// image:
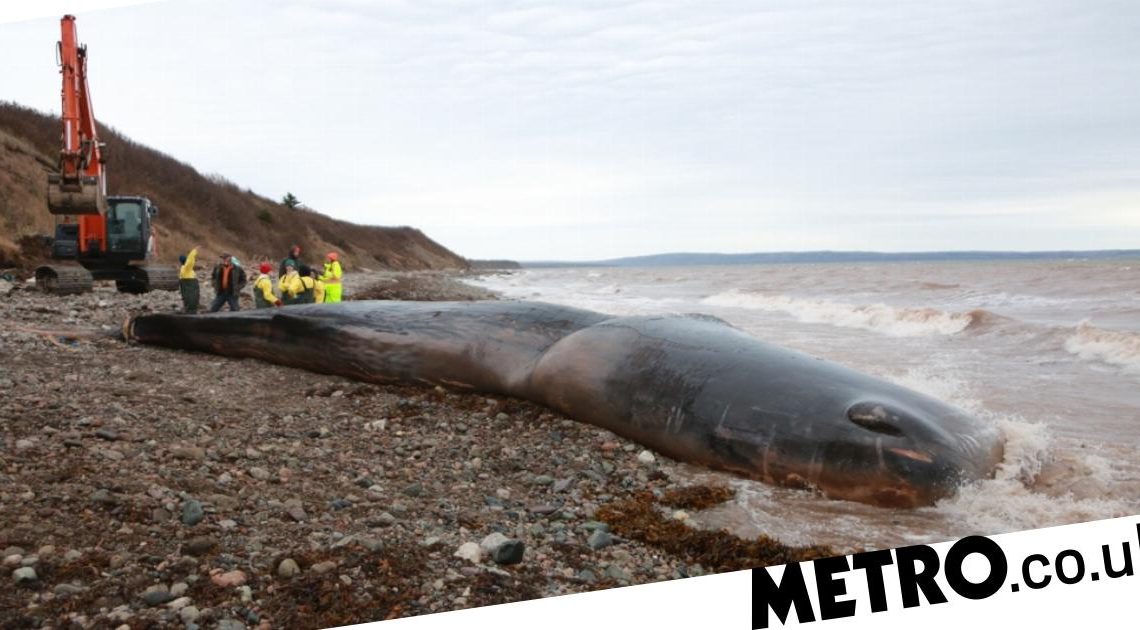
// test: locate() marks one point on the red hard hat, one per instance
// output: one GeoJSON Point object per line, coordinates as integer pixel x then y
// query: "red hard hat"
{"type": "Point", "coordinates": [332, 256]}
{"type": "Point", "coordinates": [266, 267]}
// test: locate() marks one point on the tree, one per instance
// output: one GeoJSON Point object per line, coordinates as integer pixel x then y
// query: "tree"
{"type": "Point", "coordinates": [290, 201]}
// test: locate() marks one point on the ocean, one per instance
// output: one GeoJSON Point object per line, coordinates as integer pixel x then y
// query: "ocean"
{"type": "Point", "coordinates": [1048, 351]}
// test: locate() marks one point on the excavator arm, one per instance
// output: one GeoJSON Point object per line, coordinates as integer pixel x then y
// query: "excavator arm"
{"type": "Point", "coordinates": [80, 187]}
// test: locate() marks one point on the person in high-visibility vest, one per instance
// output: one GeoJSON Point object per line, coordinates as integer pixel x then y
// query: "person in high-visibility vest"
{"type": "Point", "coordinates": [188, 282]}
{"type": "Point", "coordinates": [332, 278]}
{"type": "Point", "coordinates": [263, 288]}
{"type": "Point", "coordinates": [318, 287]}
{"type": "Point", "coordinates": [290, 284]}
{"type": "Point", "coordinates": [307, 294]}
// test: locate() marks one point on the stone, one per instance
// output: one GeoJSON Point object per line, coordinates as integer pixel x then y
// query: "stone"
{"type": "Point", "coordinates": [67, 590]}
{"type": "Point", "coordinates": [492, 542]}
{"type": "Point", "coordinates": [646, 458]}
{"type": "Point", "coordinates": [383, 519]}
{"type": "Point", "coordinates": [199, 546]}
{"type": "Point", "coordinates": [178, 604]}
{"type": "Point", "coordinates": [617, 573]}
{"type": "Point", "coordinates": [510, 552]}
{"type": "Point", "coordinates": [259, 473]}
{"type": "Point", "coordinates": [25, 575]}
{"type": "Point", "coordinates": [414, 490]}
{"type": "Point", "coordinates": [156, 597]}
{"type": "Point", "coordinates": [189, 614]}
{"type": "Point", "coordinates": [323, 567]}
{"type": "Point", "coordinates": [600, 540]}
{"type": "Point", "coordinates": [297, 513]}
{"type": "Point", "coordinates": [193, 453]}
{"type": "Point", "coordinates": [192, 512]}
{"type": "Point", "coordinates": [470, 551]}
{"type": "Point", "coordinates": [288, 568]}
{"type": "Point", "coordinates": [229, 578]}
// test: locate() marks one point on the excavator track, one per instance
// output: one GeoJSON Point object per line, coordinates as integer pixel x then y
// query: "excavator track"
{"type": "Point", "coordinates": [161, 278]}
{"type": "Point", "coordinates": [149, 278]}
{"type": "Point", "coordinates": [63, 279]}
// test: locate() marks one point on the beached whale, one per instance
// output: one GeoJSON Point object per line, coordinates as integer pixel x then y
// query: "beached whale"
{"type": "Point", "coordinates": [691, 387]}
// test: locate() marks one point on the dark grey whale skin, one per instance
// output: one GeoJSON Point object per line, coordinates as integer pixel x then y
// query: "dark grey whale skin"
{"type": "Point", "coordinates": [691, 387]}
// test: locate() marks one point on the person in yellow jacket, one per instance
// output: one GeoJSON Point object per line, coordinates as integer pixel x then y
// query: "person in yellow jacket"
{"type": "Point", "coordinates": [332, 278]}
{"type": "Point", "coordinates": [188, 282]}
{"type": "Point", "coordinates": [290, 285]}
{"type": "Point", "coordinates": [308, 292]}
{"type": "Point", "coordinates": [263, 288]}
{"type": "Point", "coordinates": [318, 287]}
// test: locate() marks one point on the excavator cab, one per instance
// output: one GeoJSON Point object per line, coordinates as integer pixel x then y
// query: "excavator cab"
{"type": "Point", "coordinates": [105, 246]}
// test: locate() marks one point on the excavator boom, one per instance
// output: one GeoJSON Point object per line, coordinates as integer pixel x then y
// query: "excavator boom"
{"type": "Point", "coordinates": [80, 187]}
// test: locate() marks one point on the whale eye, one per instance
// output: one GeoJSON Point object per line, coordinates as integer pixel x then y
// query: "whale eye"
{"type": "Point", "coordinates": [873, 417]}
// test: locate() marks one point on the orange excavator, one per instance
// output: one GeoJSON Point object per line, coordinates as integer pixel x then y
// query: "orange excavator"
{"type": "Point", "coordinates": [97, 237]}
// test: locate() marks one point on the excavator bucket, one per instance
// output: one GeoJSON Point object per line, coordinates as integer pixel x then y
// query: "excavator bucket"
{"type": "Point", "coordinates": [80, 196]}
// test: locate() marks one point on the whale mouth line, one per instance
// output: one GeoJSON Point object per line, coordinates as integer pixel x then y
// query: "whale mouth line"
{"type": "Point", "coordinates": [911, 454]}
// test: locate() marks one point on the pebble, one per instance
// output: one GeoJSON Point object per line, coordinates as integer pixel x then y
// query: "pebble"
{"type": "Point", "coordinates": [199, 546]}
{"type": "Point", "coordinates": [323, 567]}
{"type": "Point", "coordinates": [492, 542]}
{"type": "Point", "coordinates": [510, 552]}
{"type": "Point", "coordinates": [414, 490]}
{"type": "Point", "coordinates": [102, 496]}
{"type": "Point", "coordinates": [383, 519]}
{"type": "Point", "coordinates": [600, 539]}
{"type": "Point", "coordinates": [179, 589]}
{"type": "Point", "coordinates": [646, 458]}
{"type": "Point", "coordinates": [229, 578]}
{"type": "Point", "coordinates": [297, 513]}
{"type": "Point", "coordinates": [615, 572]}
{"type": "Point", "coordinates": [193, 453]}
{"type": "Point", "coordinates": [107, 434]}
{"type": "Point", "coordinates": [189, 614]}
{"type": "Point", "coordinates": [66, 590]}
{"type": "Point", "coordinates": [25, 575]}
{"type": "Point", "coordinates": [157, 597]}
{"type": "Point", "coordinates": [288, 568]}
{"type": "Point", "coordinates": [470, 551]}
{"type": "Point", "coordinates": [179, 603]}
{"type": "Point", "coordinates": [258, 473]}
{"type": "Point", "coordinates": [192, 512]}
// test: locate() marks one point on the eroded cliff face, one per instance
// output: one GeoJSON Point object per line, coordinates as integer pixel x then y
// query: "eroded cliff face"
{"type": "Point", "coordinates": [195, 209]}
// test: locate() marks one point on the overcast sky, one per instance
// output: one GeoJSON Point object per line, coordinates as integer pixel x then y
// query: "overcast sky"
{"type": "Point", "coordinates": [590, 129]}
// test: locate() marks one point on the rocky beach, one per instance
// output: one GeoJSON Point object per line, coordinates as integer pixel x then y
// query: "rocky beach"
{"type": "Point", "coordinates": [144, 487]}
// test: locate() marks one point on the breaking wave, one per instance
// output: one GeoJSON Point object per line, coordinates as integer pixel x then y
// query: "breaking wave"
{"type": "Point", "coordinates": [901, 322]}
{"type": "Point", "coordinates": [1115, 347]}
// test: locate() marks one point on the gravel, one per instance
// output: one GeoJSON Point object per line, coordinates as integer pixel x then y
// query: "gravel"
{"type": "Point", "coordinates": [243, 490]}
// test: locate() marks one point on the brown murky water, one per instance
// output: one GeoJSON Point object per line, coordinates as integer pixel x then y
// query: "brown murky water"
{"type": "Point", "coordinates": [1049, 351]}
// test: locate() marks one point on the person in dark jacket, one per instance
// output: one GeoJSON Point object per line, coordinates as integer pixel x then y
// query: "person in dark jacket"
{"type": "Point", "coordinates": [293, 258]}
{"type": "Point", "coordinates": [228, 280]}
